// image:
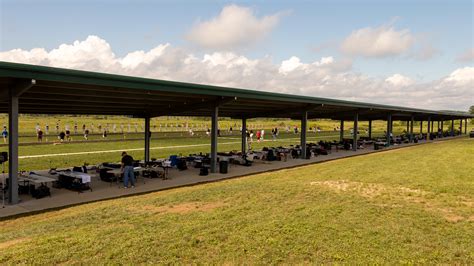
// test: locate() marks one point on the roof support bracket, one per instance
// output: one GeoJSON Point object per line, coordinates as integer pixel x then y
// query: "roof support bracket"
{"type": "Point", "coordinates": [21, 87]}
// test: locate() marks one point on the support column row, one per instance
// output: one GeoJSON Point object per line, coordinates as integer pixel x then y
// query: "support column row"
{"type": "Point", "coordinates": [13, 148]}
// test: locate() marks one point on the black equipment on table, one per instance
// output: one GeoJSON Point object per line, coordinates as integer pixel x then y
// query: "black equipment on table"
{"type": "Point", "coordinates": [106, 176]}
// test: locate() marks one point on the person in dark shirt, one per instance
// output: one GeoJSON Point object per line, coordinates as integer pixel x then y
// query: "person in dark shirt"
{"type": "Point", "coordinates": [40, 135]}
{"type": "Point", "coordinates": [127, 169]}
{"type": "Point", "coordinates": [61, 136]}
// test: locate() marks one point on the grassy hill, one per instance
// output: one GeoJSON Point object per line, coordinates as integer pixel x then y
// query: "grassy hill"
{"type": "Point", "coordinates": [413, 205]}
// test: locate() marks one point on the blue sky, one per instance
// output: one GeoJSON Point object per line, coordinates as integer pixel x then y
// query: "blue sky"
{"type": "Point", "coordinates": [141, 25]}
{"type": "Point", "coordinates": [308, 30]}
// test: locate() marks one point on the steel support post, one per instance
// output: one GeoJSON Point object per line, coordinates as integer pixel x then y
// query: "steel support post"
{"type": "Point", "coordinates": [356, 128]}
{"type": "Point", "coordinates": [214, 127]}
{"type": "Point", "coordinates": [147, 139]}
{"type": "Point", "coordinates": [370, 129]}
{"type": "Point", "coordinates": [13, 148]}
{"type": "Point", "coordinates": [341, 131]}
{"type": "Point", "coordinates": [389, 129]}
{"type": "Point", "coordinates": [304, 122]}
{"type": "Point", "coordinates": [244, 135]}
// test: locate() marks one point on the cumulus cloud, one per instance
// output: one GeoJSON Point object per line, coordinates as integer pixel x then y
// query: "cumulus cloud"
{"type": "Point", "coordinates": [462, 76]}
{"type": "Point", "coordinates": [466, 56]}
{"type": "Point", "coordinates": [326, 77]}
{"type": "Point", "coordinates": [399, 80]}
{"type": "Point", "coordinates": [235, 26]}
{"type": "Point", "coordinates": [382, 41]}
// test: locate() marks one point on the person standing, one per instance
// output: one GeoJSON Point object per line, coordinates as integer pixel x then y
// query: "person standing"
{"type": "Point", "coordinates": [127, 170]}
{"type": "Point", "coordinates": [5, 134]}
{"type": "Point", "coordinates": [274, 133]}
{"type": "Point", "coordinates": [247, 139]}
{"type": "Point", "coordinates": [40, 135]}
{"type": "Point", "coordinates": [68, 133]}
{"type": "Point", "coordinates": [86, 134]}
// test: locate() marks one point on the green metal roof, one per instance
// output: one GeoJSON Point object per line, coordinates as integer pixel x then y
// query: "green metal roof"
{"type": "Point", "coordinates": [65, 91]}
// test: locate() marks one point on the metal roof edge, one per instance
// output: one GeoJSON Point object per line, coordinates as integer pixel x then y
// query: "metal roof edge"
{"type": "Point", "coordinates": [18, 70]}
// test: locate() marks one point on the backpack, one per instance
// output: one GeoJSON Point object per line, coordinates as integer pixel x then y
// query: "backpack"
{"type": "Point", "coordinates": [41, 192]}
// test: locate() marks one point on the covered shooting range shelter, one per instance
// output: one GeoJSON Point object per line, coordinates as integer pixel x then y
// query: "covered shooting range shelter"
{"type": "Point", "coordinates": [31, 89]}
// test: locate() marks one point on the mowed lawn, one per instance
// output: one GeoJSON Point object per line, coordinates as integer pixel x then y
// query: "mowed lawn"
{"type": "Point", "coordinates": [412, 205]}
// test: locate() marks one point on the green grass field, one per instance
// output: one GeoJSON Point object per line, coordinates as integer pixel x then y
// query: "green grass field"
{"type": "Point", "coordinates": [412, 205]}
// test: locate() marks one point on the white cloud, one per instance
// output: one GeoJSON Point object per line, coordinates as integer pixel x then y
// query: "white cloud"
{"type": "Point", "coordinates": [133, 59]}
{"type": "Point", "coordinates": [235, 26]}
{"type": "Point", "coordinates": [327, 77]}
{"type": "Point", "coordinates": [400, 80]}
{"type": "Point", "coordinates": [462, 76]}
{"type": "Point", "coordinates": [290, 65]}
{"type": "Point", "coordinates": [466, 56]}
{"type": "Point", "coordinates": [382, 41]}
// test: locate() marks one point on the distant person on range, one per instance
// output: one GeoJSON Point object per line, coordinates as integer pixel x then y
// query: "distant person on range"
{"type": "Point", "coordinates": [68, 134]}
{"type": "Point", "coordinates": [61, 136]}
{"type": "Point", "coordinates": [5, 134]}
{"type": "Point", "coordinates": [40, 135]}
{"type": "Point", "coordinates": [127, 170]}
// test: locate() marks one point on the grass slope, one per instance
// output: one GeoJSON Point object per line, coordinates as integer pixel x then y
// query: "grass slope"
{"type": "Point", "coordinates": [413, 205]}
